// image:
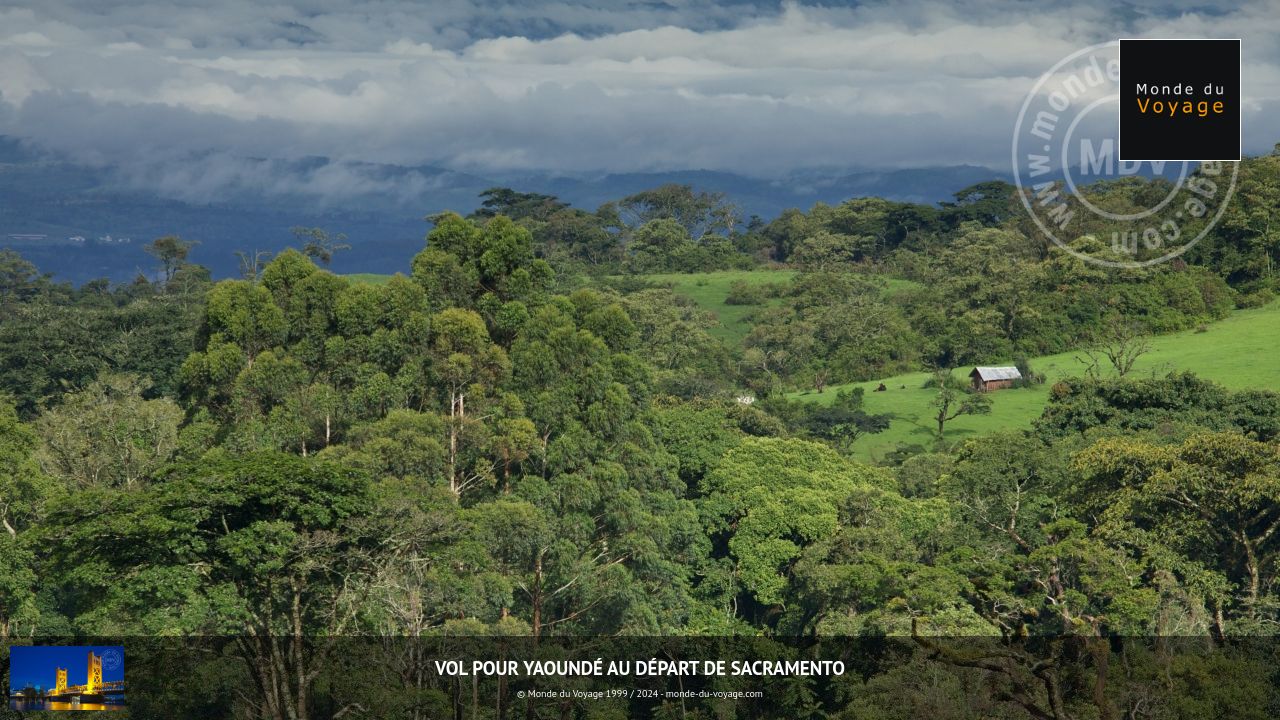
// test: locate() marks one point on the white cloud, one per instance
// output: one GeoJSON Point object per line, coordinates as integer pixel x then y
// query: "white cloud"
{"type": "Point", "coordinates": [754, 88]}
{"type": "Point", "coordinates": [18, 77]}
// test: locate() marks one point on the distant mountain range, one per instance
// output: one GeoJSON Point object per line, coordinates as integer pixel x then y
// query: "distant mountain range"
{"type": "Point", "coordinates": [82, 221]}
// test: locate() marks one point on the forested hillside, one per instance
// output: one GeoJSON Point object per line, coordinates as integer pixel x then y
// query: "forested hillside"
{"type": "Point", "coordinates": [537, 431]}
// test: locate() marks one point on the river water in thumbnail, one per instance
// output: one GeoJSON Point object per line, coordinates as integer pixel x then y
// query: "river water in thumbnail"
{"type": "Point", "coordinates": [34, 705]}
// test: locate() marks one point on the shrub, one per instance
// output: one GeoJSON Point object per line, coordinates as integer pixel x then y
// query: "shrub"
{"type": "Point", "coordinates": [743, 293]}
{"type": "Point", "coordinates": [1030, 378]}
{"type": "Point", "coordinates": [1255, 299]}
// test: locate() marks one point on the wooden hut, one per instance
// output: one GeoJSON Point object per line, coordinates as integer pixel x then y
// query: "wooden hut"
{"type": "Point", "coordinates": [986, 379]}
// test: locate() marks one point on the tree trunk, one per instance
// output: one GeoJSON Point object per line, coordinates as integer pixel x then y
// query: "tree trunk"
{"type": "Point", "coordinates": [1251, 567]}
{"type": "Point", "coordinates": [536, 599]}
{"type": "Point", "coordinates": [457, 413]}
{"type": "Point", "coordinates": [299, 654]}
{"type": "Point", "coordinates": [1100, 648]}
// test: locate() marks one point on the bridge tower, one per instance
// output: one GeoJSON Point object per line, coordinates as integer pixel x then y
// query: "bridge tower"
{"type": "Point", "coordinates": [95, 674]}
{"type": "Point", "coordinates": [60, 683]}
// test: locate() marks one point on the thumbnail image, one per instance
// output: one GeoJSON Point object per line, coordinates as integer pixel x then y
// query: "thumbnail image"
{"type": "Point", "coordinates": [66, 677]}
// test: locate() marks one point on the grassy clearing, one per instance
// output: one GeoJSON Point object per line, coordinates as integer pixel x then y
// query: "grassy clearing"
{"type": "Point", "coordinates": [709, 290]}
{"type": "Point", "coordinates": [1238, 352]}
{"type": "Point", "coordinates": [369, 278]}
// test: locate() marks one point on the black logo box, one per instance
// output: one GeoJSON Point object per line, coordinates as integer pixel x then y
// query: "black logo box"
{"type": "Point", "coordinates": [1190, 64]}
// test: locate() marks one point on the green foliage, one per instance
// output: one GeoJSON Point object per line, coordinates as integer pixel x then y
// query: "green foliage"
{"type": "Point", "coordinates": [23, 488]}
{"type": "Point", "coordinates": [244, 313]}
{"type": "Point", "coordinates": [951, 401]}
{"type": "Point", "coordinates": [696, 212]}
{"type": "Point", "coordinates": [19, 280]}
{"type": "Point", "coordinates": [18, 585]}
{"type": "Point", "coordinates": [109, 435]}
{"type": "Point", "coordinates": [1159, 403]}
{"type": "Point", "coordinates": [1205, 511]}
{"type": "Point", "coordinates": [318, 244]}
{"type": "Point", "coordinates": [57, 340]}
{"type": "Point", "coordinates": [171, 251]}
{"type": "Point", "coordinates": [491, 448]}
{"type": "Point", "coordinates": [465, 265]}
{"type": "Point", "coordinates": [227, 543]}
{"type": "Point", "coordinates": [742, 292]}
{"type": "Point", "coordinates": [769, 498]}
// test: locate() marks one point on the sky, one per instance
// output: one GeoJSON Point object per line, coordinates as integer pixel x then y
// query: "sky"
{"type": "Point", "coordinates": [758, 88]}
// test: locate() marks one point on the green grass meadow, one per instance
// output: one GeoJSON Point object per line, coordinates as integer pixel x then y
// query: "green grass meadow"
{"type": "Point", "coordinates": [1242, 351]}
{"type": "Point", "coordinates": [369, 278]}
{"type": "Point", "coordinates": [709, 290]}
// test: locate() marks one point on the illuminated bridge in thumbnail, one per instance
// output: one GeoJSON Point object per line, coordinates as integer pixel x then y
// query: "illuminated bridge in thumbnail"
{"type": "Point", "coordinates": [93, 685]}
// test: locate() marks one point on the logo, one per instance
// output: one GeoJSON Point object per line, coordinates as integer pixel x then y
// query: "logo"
{"type": "Point", "coordinates": [112, 659]}
{"type": "Point", "coordinates": [1086, 200]}
{"type": "Point", "coordinates": [1180, 99]}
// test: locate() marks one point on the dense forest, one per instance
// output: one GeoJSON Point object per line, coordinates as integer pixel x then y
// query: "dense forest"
{"type": "Point", "coordinates": [528, 436]}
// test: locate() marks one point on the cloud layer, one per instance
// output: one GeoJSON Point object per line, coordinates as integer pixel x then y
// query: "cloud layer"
{"type": "Point", "coordinates": [754, 88]}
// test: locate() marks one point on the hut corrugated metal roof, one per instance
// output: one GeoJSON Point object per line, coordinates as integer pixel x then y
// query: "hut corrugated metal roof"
{"type": "Point", "coordinates": [996, 373]}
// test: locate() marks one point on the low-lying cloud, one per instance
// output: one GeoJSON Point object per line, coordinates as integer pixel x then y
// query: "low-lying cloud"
{"type": "Point", "coordinates": [754, 88]}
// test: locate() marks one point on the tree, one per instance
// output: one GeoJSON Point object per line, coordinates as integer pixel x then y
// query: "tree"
{"type": "Point", "coordinates": [1036, 575]}
{"type": "Point", "coordinates": [698, 212]}
{"type": "Point", "coordinates": [879, 570]}
{"type": "Point", "coordinates": [406, 444]}
{"type": "Point", "coordinates": [655, 244]}
{"type": "Point", "coordinates": [251, 263]}
{"type": "Point", "coordinates": [984, 295]}
{"type": "Point", "coordinates": [1213, 501]}
{"type": "Point", "coordinates": [19, 279]}
{"type": "Point", "coordinates": [844, 421]}
{"type": "Point", "coordinates": [465, 265]}
{"type": "Point", "coordinates": [987, 202]}
{"type": "Point", "coordinates": [785, 233]}
{"type": "Point", "coordinates": [769, 498]}
{"type": "Point", "coordinates": [1122, 342]}
{"type": "Point", "coordinates": [673, 335]}
{"type": "Point", "coordinates": [171, 251]}
{"type": "Point", "coordinates": [51, 345]}
{"type": "Point", "coordinates": [578, 234]}
{"type": "Point", "coordinates": [952, 402]}
{"type": "Point", "coordinates": [18, 584]}
{"type": "Point", "coordinates": [824, 251]}
{"type": "Point", "coordinates": [23, 487]}
{"type": "Point", "coordinates": [318, 244]}
{"type": "Point", "coordinates": [246, 314]}
{"type": "Point", "coordinates": [1177, 400]}
{"type": "Point", "coordinates": [108, 435]}
{"type": "Point", "coordinates": [269, 548]}
{"type": "Point", "coordinates": [466, 363]}
{"type": "Point", "coordinates": [1245, 245]}
{"type": "Point", "coordinates": [517, 205]}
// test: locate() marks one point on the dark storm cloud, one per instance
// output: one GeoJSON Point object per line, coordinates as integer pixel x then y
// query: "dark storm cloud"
{"type": "Point", "coordinates": [751, 87]}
